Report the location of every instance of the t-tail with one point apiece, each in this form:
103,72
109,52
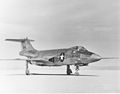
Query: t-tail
27,48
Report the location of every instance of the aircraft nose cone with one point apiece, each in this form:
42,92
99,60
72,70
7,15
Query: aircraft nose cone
95,57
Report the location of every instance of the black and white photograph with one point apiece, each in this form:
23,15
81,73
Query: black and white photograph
59,46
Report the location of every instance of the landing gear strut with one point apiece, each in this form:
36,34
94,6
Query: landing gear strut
77,69
27,69
69,71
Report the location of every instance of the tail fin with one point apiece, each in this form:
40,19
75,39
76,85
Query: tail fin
26,45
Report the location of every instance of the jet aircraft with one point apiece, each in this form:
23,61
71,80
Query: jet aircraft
76,55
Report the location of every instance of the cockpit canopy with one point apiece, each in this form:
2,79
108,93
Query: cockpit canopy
80,48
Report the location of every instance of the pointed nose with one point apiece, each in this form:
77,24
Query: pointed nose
95,57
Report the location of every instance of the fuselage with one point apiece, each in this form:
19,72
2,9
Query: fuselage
72,56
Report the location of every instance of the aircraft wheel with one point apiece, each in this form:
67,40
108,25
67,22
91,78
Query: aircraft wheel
27,72
77,74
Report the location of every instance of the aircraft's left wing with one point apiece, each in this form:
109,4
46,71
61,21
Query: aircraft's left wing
39,62
23,59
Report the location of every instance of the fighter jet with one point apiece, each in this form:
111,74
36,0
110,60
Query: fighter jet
76,55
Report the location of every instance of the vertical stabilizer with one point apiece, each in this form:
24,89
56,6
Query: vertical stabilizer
26,45
27,48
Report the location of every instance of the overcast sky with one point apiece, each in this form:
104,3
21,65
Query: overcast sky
60,23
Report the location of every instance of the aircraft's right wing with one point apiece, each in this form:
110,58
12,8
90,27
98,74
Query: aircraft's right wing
109,58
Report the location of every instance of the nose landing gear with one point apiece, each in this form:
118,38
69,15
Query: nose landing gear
77,69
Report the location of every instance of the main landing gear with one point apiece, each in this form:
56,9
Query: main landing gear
69,71
27,72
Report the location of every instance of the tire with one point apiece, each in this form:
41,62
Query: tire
27,72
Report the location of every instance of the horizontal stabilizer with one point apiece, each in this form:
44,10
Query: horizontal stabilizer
18,40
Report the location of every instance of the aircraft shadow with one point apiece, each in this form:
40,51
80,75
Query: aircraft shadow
54,74
61,74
